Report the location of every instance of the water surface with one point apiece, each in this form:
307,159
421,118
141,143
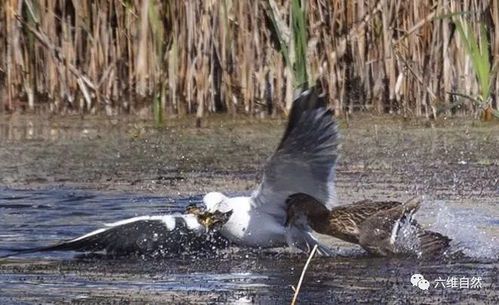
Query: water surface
235,276
63,177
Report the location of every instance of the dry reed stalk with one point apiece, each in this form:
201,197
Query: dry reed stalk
302,276
206,56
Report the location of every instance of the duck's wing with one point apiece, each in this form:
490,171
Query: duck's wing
341,222
305,159
394,231
347,217
345,220
164,235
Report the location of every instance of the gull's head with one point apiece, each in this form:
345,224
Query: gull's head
216,201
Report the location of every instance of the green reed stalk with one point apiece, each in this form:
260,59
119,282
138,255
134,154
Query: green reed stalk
294,48
299,26
478,50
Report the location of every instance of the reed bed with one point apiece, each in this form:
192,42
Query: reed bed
176,57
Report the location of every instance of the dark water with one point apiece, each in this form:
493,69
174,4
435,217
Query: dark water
31,218
236,276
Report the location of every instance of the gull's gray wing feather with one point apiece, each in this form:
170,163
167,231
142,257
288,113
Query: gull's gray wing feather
305,159
164,235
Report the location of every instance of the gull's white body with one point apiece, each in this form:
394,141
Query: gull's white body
242,229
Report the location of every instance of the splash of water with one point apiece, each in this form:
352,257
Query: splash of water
466,228
407,239
465,231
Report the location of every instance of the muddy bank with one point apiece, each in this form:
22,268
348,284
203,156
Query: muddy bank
453,158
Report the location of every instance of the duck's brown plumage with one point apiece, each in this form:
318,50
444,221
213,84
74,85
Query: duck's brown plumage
367,223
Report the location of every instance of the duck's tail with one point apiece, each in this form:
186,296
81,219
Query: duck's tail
432,244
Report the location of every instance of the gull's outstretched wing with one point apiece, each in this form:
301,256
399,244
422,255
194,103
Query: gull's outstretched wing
304,161
165,235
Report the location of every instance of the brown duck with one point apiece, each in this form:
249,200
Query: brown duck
376,226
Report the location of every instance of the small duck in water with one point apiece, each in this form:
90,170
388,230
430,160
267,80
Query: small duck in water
210,220
379,227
